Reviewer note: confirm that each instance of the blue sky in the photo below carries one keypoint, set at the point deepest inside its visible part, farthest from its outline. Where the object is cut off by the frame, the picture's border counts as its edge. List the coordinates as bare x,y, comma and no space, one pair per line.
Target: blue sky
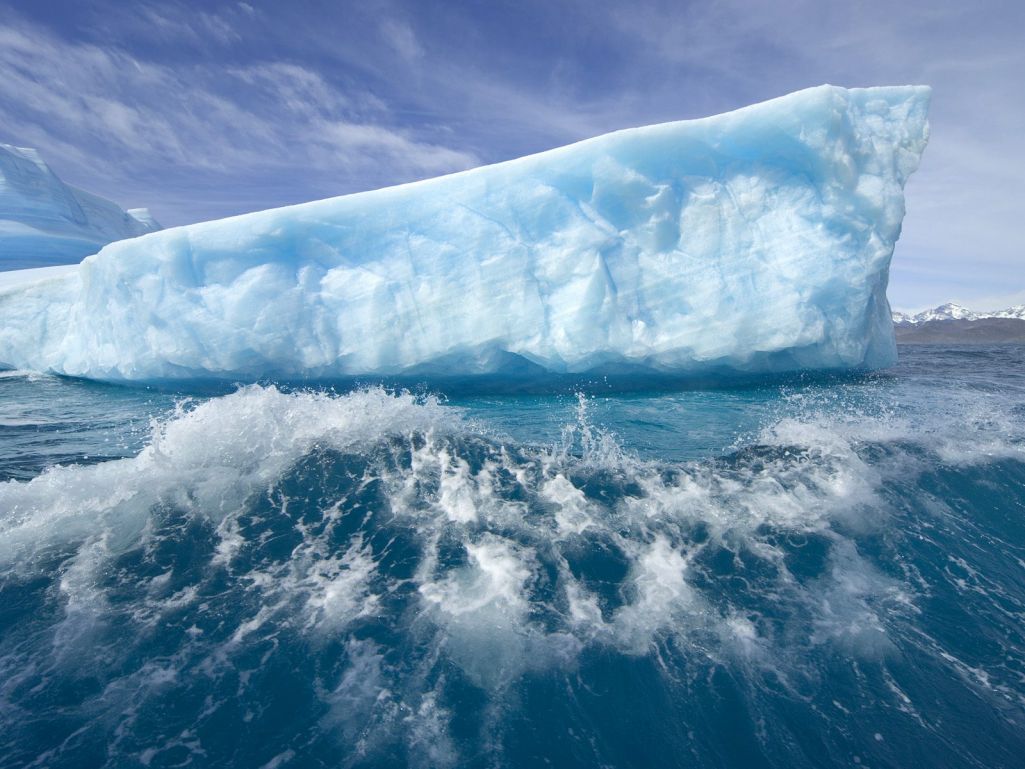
206,109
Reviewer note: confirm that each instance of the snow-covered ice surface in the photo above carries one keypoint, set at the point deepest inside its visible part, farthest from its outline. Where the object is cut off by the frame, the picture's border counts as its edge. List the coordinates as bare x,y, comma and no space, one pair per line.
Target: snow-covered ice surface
754,241
17,278
44,221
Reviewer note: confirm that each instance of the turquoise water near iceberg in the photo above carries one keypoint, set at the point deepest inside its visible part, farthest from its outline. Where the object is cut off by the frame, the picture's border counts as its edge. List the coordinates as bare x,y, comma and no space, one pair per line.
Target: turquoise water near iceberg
807,573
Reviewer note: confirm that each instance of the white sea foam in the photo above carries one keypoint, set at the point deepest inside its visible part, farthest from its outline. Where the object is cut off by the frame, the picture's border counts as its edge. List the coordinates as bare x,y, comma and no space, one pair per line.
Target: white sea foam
208,458
498,544
212,457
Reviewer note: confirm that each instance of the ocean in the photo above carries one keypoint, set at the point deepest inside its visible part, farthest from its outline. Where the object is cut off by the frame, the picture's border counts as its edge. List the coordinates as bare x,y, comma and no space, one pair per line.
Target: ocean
812,572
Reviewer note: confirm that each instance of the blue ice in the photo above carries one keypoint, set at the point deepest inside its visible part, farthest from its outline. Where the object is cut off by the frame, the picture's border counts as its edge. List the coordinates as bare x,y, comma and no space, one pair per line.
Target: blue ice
757,240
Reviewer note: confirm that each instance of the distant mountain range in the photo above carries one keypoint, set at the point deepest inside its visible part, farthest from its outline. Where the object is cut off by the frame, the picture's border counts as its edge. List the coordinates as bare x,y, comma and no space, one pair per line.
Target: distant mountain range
953,324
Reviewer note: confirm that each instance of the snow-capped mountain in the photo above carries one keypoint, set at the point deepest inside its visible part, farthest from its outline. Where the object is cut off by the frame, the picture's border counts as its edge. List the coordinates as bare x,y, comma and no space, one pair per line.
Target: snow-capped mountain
952,324
951,311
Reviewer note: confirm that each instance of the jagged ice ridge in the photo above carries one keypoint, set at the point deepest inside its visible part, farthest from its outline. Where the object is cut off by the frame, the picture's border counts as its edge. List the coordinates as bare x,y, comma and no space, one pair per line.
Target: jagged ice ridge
758,240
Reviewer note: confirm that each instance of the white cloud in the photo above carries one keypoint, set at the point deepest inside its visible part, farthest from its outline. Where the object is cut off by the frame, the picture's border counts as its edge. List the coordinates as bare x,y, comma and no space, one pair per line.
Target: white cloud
400,36
362,140
101,113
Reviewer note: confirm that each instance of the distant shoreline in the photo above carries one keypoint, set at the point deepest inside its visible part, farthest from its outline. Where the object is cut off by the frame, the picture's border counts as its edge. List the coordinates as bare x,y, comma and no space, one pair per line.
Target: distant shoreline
979,331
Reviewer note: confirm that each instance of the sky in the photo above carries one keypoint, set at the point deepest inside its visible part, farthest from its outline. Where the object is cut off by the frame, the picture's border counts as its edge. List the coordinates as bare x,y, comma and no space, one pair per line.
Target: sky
199,110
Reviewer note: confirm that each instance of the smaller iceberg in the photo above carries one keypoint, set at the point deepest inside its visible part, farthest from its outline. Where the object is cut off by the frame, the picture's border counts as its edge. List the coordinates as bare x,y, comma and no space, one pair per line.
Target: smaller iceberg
756,241
45,222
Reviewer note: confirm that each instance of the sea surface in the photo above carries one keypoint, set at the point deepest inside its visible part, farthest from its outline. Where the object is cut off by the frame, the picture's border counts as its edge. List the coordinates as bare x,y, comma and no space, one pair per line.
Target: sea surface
819,572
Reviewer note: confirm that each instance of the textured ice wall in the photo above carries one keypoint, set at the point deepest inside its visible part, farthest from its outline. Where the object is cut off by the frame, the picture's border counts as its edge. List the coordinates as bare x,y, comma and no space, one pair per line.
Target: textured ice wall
44,221
758,240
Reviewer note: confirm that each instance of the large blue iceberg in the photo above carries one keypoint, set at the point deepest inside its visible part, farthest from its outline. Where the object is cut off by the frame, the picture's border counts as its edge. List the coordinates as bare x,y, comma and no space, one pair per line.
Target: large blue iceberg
754,241
45,222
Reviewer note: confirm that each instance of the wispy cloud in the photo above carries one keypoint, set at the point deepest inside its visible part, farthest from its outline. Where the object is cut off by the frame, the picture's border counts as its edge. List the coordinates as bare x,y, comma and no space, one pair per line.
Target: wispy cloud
104,113
400,36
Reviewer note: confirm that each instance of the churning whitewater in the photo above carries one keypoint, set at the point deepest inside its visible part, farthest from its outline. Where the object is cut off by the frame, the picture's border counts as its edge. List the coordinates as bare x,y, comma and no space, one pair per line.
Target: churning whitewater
829,573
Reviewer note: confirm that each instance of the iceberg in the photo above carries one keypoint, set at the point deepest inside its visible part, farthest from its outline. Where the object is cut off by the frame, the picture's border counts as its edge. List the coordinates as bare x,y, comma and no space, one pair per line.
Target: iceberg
45,222
753,241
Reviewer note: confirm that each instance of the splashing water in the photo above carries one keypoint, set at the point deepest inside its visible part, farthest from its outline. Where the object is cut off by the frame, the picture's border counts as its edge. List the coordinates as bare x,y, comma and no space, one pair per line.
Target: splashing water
821,574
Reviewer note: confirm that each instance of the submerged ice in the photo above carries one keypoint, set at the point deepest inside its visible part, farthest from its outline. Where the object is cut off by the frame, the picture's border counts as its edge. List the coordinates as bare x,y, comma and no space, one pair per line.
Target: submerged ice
758,240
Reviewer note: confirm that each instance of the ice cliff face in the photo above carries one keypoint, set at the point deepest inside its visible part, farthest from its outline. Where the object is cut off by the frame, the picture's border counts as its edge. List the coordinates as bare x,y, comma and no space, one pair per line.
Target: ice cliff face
757,240
44,221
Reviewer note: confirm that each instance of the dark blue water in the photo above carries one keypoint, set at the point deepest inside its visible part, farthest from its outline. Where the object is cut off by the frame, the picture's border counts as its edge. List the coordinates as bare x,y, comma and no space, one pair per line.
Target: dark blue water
800,574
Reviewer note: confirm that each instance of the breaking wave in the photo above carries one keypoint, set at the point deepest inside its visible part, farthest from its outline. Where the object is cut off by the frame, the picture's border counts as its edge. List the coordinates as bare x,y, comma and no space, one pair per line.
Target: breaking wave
377,579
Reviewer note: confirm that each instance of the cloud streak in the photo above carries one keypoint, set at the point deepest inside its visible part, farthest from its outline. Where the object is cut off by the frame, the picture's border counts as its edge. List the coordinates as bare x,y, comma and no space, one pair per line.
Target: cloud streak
106,113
